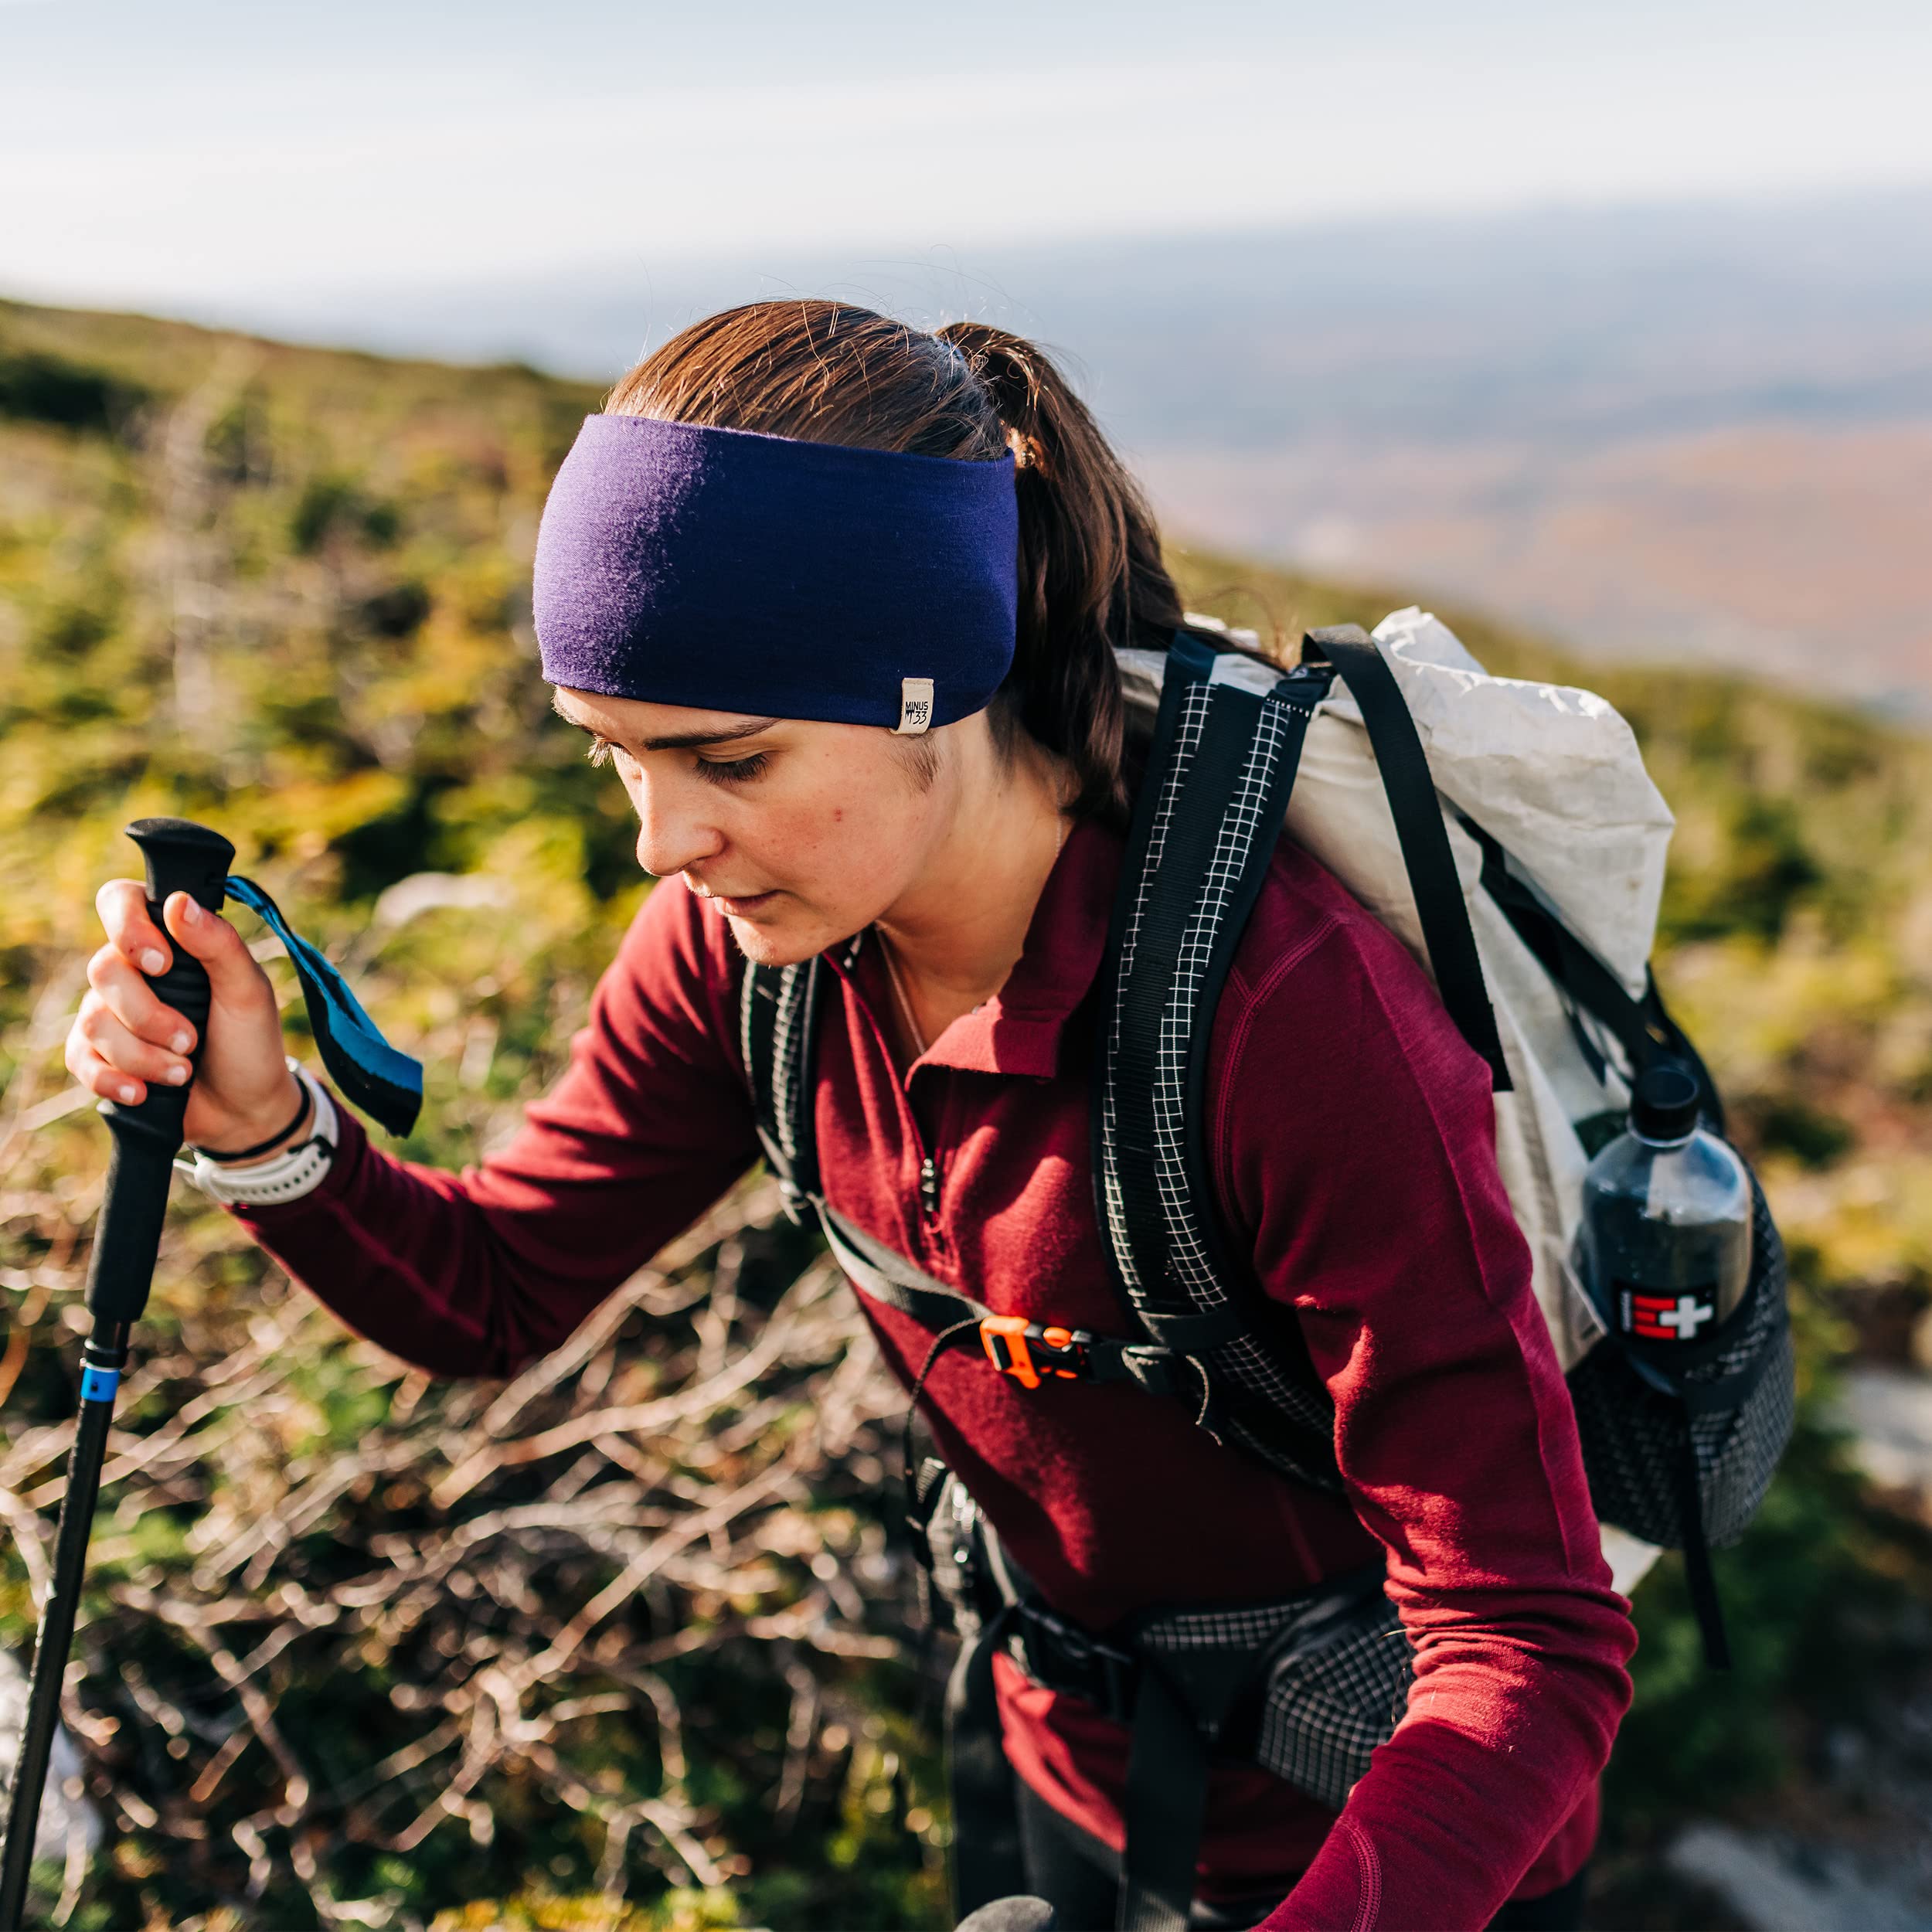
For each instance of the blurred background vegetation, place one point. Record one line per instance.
(285, 591)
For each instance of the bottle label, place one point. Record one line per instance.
(1683, 1315)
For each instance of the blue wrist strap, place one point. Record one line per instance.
(384, 1084)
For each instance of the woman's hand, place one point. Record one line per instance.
(124, 1039)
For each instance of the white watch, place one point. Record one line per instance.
(294, 1171)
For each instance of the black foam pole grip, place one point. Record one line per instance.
(181, 856)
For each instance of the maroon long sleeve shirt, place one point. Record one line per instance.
(1352, 1137)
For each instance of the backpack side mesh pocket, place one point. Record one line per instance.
(1737, 1404)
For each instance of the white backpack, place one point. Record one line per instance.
(1557, 838)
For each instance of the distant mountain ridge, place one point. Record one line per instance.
(1533, 321)
(1698, 433)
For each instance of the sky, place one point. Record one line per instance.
(208, 157)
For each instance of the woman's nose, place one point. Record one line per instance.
(673, 830)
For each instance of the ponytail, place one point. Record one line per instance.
(1090, 573)
(1091, 579)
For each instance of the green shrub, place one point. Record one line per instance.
(38, 387)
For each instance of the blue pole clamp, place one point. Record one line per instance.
(99, 1384)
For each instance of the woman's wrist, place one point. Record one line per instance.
(295, 1167)
(288, 1117)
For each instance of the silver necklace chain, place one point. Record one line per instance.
(920, 1040)
(899, 994)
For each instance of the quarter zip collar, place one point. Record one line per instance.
(1018, 1031)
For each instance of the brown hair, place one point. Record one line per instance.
(1090, 573)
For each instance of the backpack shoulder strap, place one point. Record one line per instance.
(777, 1021)
(1226, 743)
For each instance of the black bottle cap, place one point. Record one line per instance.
(1664, 1106)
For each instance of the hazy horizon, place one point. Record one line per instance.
(214, 152)
(1698, 431)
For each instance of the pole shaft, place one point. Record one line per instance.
(105, 1354)
(181, 857)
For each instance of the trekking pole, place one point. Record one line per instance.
(182, 857)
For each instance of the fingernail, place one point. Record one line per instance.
(127, 1093)
(152, 961)
(175, 1075)
(191, 914)
(179, 1043)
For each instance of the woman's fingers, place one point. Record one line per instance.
(127, 1042)
(122, 904)
(126, 995)
(234, 978)
(97, 1075)
(101, 1030)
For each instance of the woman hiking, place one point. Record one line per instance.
(838, 601)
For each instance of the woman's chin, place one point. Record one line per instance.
(768, 938)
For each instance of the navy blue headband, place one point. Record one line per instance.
(733, 572)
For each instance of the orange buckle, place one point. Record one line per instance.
(1028, 1351)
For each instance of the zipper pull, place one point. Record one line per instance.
(929, 1186)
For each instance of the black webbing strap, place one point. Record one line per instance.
(986, 1861)
(778, 1017)
(1165, 1808)
(883, 1275)
(1173, 894)
(1698, 1573)
(1644, 1028)
(1425, 852)
(1693, 1399)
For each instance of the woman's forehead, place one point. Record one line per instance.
(632, 721)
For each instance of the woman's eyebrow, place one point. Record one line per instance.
(679, 741)
(689, 741)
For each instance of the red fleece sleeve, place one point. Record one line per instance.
(477, 1273)
(1376, 1208)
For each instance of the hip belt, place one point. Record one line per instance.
(1306, 1687)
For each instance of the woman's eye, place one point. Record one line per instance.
(735, 771)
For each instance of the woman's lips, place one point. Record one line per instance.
(746, 908)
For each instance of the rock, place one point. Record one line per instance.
(1890, 1412)
(1921, 1345)
(64, 1810)
(1778, 1885)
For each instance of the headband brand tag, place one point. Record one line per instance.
(915, 706)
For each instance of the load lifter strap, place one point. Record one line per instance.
(1425, 852)
(1643, 1028)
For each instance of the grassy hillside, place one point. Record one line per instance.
(365, 1649)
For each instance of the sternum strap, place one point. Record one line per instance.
(883, 1275)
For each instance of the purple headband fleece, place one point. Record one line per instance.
(733, 572)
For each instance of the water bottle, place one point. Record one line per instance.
(1665, 1247)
